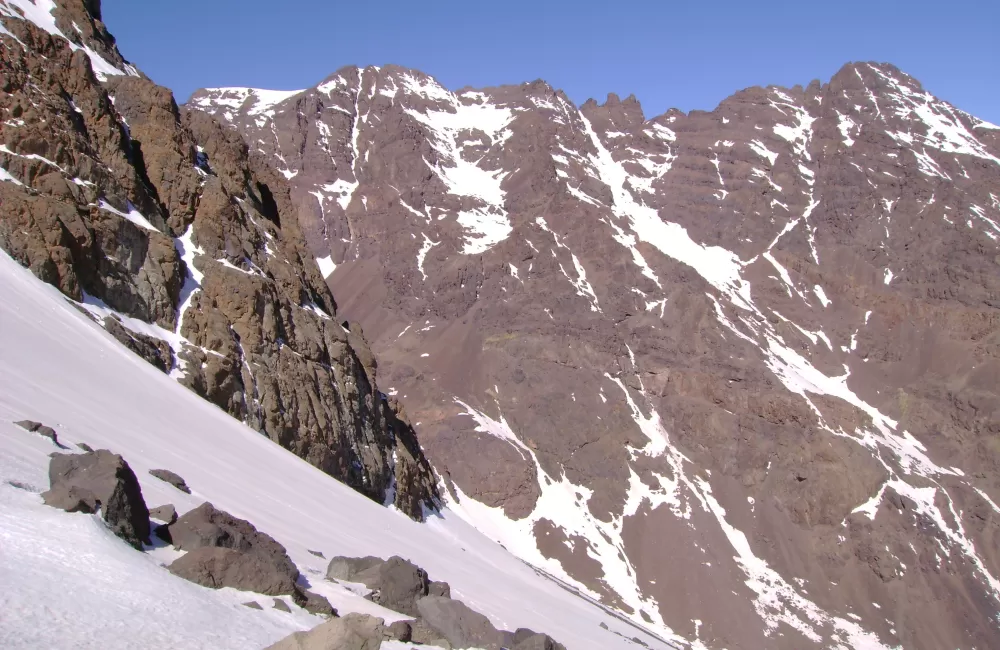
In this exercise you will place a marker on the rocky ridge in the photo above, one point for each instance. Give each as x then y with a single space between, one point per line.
766 333
187 248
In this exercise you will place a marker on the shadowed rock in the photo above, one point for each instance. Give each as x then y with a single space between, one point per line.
224 567
100 479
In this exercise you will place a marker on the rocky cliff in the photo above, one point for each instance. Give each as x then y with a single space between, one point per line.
187 247
733 373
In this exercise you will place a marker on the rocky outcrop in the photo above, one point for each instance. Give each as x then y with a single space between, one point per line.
773 320
100 480
187 248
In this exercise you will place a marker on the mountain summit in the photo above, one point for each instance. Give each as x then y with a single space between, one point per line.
731 373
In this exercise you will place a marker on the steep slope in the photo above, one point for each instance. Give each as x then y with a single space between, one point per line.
187 248
69 372
733 372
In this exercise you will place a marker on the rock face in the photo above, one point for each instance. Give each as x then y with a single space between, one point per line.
100 480
187 248
352 632
767 333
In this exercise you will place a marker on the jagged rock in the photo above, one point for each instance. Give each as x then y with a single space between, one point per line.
166 513
460 625
155 351
29 425
130 173
216 568
281 605
351 632
349 568
253 604
400 631
167 476
100 479
318 554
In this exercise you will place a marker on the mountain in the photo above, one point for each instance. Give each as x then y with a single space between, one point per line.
732 373
187 248
63 572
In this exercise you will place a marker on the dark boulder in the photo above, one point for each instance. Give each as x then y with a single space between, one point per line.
224 567
396 584
100 479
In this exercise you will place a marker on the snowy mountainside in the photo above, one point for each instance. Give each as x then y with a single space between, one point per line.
68 371
767 333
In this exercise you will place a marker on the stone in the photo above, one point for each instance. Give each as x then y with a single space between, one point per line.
167 476
351 632
215 568
318 554
281 605
252 604
458 623
437 588
84 446
100 479
400 631
348 568
314 603
208 527
396 584
29 425
166 513
524 639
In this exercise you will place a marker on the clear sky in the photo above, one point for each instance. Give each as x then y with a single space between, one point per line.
688 55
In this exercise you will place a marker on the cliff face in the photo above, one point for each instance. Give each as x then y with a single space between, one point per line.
187 247
733 372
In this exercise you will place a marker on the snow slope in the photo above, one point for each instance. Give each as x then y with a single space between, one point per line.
59 368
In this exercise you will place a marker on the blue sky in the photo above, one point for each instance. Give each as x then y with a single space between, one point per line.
688 55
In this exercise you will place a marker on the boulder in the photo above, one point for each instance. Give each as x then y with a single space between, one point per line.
399 631
352 632
100 479
348 568
438 588
84 446
460 625
396 584
29 425
169 477
216 568
207 526
281 606
314 603
252 604
166 513
525 639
